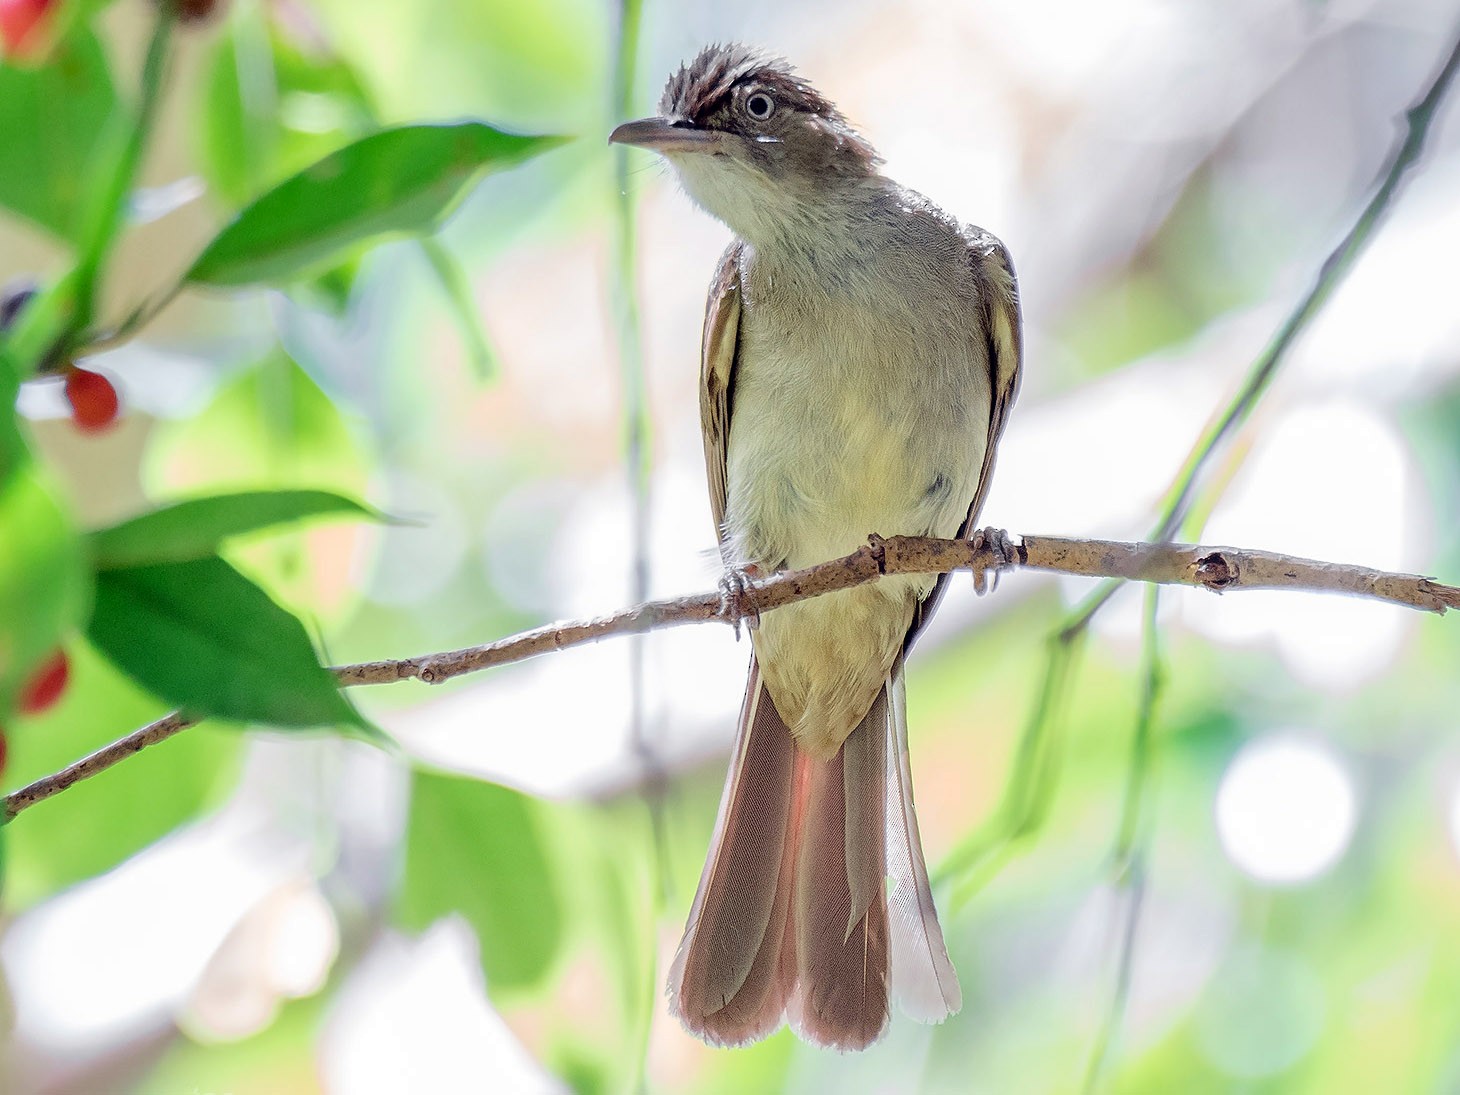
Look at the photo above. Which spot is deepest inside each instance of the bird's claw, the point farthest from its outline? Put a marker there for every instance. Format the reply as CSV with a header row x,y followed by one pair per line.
x,y
996,541
736,605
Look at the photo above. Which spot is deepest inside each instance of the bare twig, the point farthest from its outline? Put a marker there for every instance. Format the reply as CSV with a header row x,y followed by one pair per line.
x,y
1218,569
98,761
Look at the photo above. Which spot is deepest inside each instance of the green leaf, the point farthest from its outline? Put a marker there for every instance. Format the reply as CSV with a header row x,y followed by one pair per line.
x,y
201,636
611,885
398,181
52,118
13,452
193,529
44,579
481,850
272,105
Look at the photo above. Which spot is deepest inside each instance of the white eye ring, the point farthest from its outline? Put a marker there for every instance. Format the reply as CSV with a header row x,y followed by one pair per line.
x,y
760,106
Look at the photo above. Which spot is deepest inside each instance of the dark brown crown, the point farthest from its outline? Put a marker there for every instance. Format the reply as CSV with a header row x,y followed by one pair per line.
x,y
701,89
809,138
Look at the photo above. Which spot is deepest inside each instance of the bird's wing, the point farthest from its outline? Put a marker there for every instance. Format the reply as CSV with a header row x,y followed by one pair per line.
x,y
998,301
718,356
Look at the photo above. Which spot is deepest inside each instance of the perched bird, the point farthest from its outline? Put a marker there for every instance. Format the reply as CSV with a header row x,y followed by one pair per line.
x,y
861,353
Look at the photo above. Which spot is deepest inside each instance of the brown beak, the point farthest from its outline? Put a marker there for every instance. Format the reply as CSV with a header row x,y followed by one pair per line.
x,y
663,135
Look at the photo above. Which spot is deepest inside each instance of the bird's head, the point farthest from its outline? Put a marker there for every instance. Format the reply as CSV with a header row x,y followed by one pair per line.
x,y
753,143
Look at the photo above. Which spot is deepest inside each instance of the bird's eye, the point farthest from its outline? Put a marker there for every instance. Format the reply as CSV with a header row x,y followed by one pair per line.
x,y
760,106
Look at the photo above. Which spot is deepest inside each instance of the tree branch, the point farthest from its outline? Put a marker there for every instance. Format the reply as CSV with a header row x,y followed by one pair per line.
x,y
1219,569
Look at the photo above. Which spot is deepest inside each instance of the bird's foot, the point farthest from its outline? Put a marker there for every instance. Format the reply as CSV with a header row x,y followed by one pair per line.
x,y
736,604
1005,556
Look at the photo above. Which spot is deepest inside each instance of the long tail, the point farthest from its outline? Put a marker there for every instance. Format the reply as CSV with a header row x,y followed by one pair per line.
x,y
794,917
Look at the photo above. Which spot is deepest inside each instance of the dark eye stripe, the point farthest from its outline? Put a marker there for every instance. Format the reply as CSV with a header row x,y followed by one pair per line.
x,y
713,104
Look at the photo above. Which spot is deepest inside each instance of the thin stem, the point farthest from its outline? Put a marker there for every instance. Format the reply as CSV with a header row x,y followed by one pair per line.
x,y
979,858
1139,778
104,216
1132,836
457,287
1335,267
1135,895
1331,274
637,458
140,316
626,307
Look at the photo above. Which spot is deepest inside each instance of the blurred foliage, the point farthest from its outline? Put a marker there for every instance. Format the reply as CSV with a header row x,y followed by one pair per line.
x,y
270,428
274,104
481,851
324,133
99,823
552,891
45,588
196,632
53,118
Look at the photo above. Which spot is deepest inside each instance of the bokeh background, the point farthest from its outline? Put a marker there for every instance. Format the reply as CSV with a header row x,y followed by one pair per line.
x,y
267,913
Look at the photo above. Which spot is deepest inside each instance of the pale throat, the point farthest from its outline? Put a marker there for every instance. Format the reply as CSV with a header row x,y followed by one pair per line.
x,y
789,219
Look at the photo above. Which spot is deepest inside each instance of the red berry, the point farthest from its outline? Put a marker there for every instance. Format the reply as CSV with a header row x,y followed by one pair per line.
x,y
93,400
4,750
21,26
46,686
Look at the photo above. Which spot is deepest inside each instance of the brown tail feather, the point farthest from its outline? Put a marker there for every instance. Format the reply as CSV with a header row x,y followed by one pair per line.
x,y
792,914
841,911
726,984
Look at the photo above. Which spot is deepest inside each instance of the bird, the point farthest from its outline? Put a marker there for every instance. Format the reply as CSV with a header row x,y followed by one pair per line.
x,y
861,352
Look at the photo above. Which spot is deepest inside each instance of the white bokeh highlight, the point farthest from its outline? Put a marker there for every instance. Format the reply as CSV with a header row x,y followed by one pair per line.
x,y
413,1016
1285,809
85,982
1452,817
1327,480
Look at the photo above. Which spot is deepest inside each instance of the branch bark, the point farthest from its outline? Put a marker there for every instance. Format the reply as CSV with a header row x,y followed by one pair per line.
x,y
1219,569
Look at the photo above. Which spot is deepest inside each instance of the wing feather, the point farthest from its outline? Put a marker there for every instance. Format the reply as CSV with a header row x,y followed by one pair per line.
x,y
718,354
998,297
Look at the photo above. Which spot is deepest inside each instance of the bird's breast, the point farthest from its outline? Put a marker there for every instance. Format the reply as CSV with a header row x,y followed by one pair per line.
x,y
852,416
